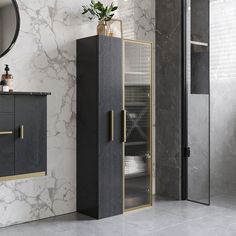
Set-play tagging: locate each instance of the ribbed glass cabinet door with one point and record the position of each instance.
(137, 106)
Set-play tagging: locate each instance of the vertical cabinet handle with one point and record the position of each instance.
(21, 132)
(124, 126)
(111, 125)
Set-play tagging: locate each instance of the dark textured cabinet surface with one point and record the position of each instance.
(7, 144)
(6, 104)
(28, 154)
(99, 160)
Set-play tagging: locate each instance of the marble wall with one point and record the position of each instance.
(223, 99)
(43, 59)
(168, 98)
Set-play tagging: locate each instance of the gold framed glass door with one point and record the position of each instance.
(137, 82)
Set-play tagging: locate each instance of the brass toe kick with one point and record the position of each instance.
(23, 176)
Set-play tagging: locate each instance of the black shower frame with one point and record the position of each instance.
(184, 164)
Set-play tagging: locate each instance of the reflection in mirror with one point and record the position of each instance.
(9, 25)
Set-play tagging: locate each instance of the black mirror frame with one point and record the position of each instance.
(17, 28)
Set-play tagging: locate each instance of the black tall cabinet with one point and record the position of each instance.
(99, 145)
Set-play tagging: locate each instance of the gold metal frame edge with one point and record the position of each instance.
(137, 208)
(123, 107)
(143, 42)
(23, 176)
(150, 44)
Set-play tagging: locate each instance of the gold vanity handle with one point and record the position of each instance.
(111, 125)
(124, 138)
(21, 136)
(6, 132)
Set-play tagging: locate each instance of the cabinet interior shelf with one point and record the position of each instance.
(136, 104)
(138, 83)
(136, 73)
(136, 175)
(135, 143)
(144, 83)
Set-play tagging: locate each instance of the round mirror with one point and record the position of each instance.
(9, 25)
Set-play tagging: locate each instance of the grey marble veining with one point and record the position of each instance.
(43, 59)
(138, 18)
(168, 97)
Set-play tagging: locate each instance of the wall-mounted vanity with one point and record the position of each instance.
(23, 135)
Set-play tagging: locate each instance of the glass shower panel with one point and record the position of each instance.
(198, 100)
(199, 69)
(137, 103)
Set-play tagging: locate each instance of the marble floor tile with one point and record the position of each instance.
(165, 218)
(226, 200)
(195, 228)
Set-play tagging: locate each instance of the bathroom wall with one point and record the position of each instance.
(43, 59)
(223, 98)
(168, 98)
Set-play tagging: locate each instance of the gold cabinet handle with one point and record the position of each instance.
(21, 132)
(111, 125)
(6, 132)
(124, 138)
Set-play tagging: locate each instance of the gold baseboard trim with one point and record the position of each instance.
(137, 208)
(23, 176)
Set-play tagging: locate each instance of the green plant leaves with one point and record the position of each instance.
(98, 10)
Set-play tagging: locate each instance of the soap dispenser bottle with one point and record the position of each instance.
(8, 78)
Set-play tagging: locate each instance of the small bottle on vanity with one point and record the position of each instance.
(8, 78)
(4, 87)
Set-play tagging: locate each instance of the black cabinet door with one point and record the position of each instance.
(99, 153)
(6, 135)
(110, 151)
(6, 144)
(30, 134)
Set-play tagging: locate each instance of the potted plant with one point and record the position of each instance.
(103, 13)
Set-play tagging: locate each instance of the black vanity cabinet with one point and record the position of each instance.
(99, 145)
(30, 134)
(7, 124)
(23, 135)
